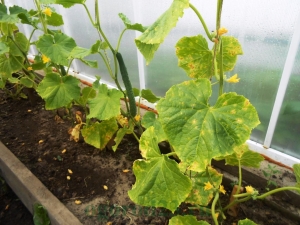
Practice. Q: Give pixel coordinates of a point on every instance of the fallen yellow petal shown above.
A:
(68, 178)
(63, 151)
(41, 141)
(70, 171)
(105, 187)
(29, 110)
(39, 160)
(77, 202)
(126, 171)
(29, 68)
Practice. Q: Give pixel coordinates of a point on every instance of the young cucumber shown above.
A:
(127, 84)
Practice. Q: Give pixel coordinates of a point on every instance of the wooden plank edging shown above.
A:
(30, 189)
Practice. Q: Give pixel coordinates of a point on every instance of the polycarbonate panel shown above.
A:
(263, 33)
(78, 25)
(286, 137)
(265, 37)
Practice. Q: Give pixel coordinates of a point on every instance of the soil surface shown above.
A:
(40, 139)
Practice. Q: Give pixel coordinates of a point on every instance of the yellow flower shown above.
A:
(249, 189)
(207, 186)
(29, 68)
(47, 11)
(233, 79)
(45, 59)
(137, 118)
(222, 31)
(222, 190)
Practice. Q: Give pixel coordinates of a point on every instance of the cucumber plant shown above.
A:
(197, 131)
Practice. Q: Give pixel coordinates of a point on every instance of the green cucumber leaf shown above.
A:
(55, 19)
(86, 93)
(246, 222)
(95, 47)
(129, 25)
(8, 18)
(150, 40)
(149, 144)
(2, 82)
(184, 220)
(57, 48)
(199, 132)
(106, 105)
(90, 63)
(231, 49)
(99, 134)
(148, 120)
(10, 64)
(200, 196)
(149, 96)
(27, 82)
(245, 156)
(40, 215)
(20, 45)
(58, 91)
(120, 135)
(159, 183)
(296, 168)
(3, 48)
(47, 1)
(195, 57)
(69, 3)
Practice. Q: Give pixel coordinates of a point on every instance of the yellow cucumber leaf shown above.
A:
(199, 195)
(99, 134)
(159, 183)
(245, 156)
(199, 132)
(106, 104)
(231, 49)
(150, 40)
(149, 119)
(195, 57)
(184, 220)
(148, 144)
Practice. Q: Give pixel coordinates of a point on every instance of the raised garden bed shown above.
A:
(99, 179)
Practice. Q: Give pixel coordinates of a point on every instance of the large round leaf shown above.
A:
(10, 64)
(195, 57)
(58, 91)
(159, 183)
(199, 132)
(57, 47)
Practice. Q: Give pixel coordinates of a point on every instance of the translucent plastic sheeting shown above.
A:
(264, 30)
(77, 25)
(286, 137)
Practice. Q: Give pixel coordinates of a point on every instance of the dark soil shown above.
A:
(38, 137)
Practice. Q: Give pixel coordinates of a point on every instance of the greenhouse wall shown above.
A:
(269, 68)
